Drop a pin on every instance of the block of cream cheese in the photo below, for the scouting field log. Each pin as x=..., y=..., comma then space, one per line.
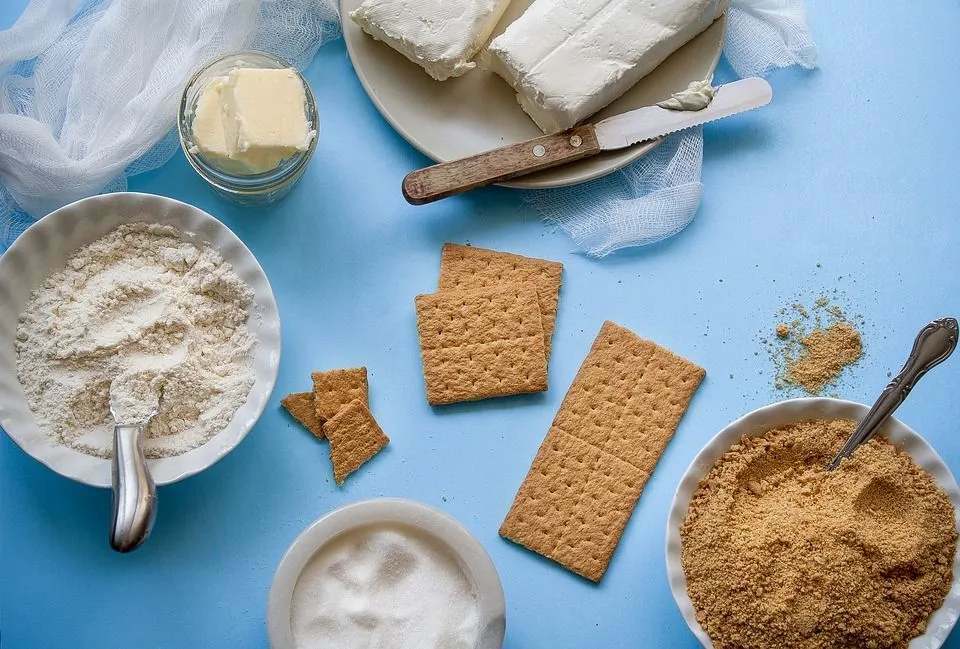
x=251, y=119
x=567, y=59
x=441, y=36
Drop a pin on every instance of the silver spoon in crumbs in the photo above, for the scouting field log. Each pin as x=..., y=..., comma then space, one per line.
x=134, y=400
x=935, y=342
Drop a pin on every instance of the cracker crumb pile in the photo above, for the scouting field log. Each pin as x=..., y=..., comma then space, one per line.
x=778, y=552
x=825, y=353
x=811, y=347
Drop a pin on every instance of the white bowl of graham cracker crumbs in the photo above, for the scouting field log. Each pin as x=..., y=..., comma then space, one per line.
x=787, y=414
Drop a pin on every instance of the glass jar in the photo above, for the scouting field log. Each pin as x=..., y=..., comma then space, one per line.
x=255, y=188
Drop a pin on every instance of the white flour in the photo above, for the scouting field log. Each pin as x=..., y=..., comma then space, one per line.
x=384, y=587
x=135, y=395
x=151, y=304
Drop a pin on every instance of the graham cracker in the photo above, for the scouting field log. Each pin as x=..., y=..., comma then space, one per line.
x=355, y=437
x=334, y=389
x=300, y=406
x=482, y=343
x=466, y=267
x=614, y=423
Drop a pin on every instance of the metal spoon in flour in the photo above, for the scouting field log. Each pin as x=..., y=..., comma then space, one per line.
x=935, y=342
x=134, y=400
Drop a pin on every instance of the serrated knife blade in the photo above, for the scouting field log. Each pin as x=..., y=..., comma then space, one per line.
x=651, y=122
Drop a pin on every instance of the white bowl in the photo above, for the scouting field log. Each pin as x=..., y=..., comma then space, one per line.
x=473, y=559
x=788, y=412
x=44, y=249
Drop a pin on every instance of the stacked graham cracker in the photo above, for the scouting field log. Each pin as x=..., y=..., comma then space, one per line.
x=487, y=331
x=337, y=409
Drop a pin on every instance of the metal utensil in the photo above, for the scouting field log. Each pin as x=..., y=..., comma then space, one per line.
x=935, y=342
x=134, y=492
x=647, y=123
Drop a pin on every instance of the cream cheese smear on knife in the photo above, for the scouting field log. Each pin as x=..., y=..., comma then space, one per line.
x=441, y=36
x=567, y=59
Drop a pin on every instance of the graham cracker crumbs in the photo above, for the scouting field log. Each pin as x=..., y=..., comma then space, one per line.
x=779, y=552
x=300, y=406
x=812, y=346
x=826, y=352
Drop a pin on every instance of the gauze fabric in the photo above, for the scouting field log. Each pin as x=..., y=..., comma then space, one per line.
x=89, y=90
x=659, y=194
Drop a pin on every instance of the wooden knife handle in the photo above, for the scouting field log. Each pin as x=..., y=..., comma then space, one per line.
x=449, y=178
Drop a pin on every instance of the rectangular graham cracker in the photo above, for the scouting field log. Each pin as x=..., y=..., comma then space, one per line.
x=300, y=406
x=334, y=389
x=355, y=437
x=482, y=343
x=466, y=267
x=614, y=423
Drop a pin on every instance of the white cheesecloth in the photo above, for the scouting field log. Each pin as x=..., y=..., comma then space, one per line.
x=659, y=194
x=89, y=89
x=89, y=92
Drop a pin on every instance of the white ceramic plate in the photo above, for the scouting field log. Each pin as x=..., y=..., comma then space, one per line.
x=788, y=412
x=474, y=560
x=447, y=120
x=44, y=249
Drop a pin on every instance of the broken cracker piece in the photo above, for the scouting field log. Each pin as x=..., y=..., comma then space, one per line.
x=300, y=406
x=605, y=441
x=334, y=389
x=355, y=437
x=480, y=344
x=468, y=267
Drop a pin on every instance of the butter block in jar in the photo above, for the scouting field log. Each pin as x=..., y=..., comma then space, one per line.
x=568, y=59
x=248, y=125
x=251, y=119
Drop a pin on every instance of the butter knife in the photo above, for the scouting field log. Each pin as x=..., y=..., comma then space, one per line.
x=647, y=123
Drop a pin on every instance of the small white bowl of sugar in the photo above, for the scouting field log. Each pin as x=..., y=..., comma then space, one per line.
x=386, y=572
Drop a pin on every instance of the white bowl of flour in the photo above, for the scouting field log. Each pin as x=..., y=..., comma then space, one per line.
x=124, y=283
x=386, y=573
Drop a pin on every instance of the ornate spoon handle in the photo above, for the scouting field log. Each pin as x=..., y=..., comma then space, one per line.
x=935, y=342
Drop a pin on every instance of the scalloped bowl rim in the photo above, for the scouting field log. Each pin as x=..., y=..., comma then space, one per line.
x=793, y=410
x=44, y=247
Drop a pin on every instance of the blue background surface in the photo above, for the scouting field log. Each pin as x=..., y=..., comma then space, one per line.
x=847, y=181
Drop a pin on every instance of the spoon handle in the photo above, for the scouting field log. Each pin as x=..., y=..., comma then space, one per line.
x=935, y=342
x=134, y=493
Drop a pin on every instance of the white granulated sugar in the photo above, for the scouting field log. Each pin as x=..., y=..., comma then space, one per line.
x=384, y=587
x=151, y=304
